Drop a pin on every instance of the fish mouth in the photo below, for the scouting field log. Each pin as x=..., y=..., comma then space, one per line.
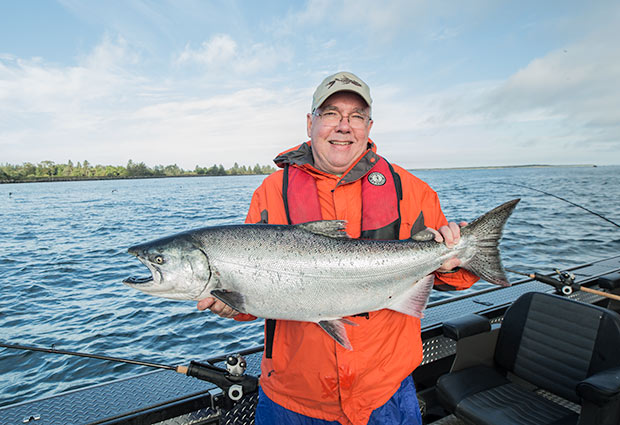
x=146, y=280
x=132, y=280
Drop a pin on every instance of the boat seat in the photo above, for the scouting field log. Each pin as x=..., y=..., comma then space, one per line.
x=547, y=345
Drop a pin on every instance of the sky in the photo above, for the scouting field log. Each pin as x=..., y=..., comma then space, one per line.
x=189, y=82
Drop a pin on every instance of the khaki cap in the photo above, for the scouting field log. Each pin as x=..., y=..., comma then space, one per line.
x=341, y=81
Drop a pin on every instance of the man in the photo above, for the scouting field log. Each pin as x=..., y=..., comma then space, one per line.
x=307, y=378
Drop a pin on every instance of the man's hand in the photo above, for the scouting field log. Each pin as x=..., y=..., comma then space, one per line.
x=451, y=235
x=218, y=307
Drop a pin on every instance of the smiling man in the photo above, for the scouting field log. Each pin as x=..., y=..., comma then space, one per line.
x=306, y=377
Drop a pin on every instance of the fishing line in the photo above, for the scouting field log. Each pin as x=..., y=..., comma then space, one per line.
x=562, y=199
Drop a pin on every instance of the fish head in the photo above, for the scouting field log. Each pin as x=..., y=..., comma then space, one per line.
x=179, y=268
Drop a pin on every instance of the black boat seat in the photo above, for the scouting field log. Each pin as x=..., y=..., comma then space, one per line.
x=547, y=344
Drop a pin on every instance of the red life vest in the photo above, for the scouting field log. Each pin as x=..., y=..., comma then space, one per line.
x=381, y=194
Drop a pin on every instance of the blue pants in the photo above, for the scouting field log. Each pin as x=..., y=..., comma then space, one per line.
x=402, y=408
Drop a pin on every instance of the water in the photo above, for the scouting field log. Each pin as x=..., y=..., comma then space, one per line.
x=63, y=257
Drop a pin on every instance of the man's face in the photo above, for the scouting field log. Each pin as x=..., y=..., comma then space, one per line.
x=336, y=147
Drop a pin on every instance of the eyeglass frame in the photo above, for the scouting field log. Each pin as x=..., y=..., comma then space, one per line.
x=367, y=118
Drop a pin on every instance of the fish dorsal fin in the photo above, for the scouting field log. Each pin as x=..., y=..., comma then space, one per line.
x=419, y=232
x=414, y=300
x=335, y=329
x=329, y=228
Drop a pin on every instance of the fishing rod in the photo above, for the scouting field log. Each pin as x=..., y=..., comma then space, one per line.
x=566, y=285
x=232, y=380
x=562, y=199
x=91, y=356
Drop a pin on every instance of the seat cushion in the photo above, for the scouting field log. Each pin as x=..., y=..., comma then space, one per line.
x=509, y=404
x=481, y=395
x=456, y=386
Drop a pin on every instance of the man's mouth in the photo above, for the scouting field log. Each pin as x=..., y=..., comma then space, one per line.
x=338, y=143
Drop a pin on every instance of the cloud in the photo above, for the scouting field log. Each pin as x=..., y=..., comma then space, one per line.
x=383, y=21
x=221, y=49
x=560, y=108
x=577, y=84
x=222, y=54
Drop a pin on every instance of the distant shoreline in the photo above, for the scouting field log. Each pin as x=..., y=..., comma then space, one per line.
x=494, y=167
x=79, y=179
x=72, y=179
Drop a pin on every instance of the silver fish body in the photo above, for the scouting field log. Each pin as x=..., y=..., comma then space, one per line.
x=313, y=272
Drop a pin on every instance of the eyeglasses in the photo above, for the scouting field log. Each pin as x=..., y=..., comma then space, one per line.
x=333, y=118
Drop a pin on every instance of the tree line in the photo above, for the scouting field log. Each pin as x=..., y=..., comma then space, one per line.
x=49, y=171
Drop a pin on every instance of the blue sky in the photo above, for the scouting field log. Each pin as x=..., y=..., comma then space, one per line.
x=476, y=83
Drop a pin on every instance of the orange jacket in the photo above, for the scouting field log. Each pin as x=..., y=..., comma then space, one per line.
x=311, y=374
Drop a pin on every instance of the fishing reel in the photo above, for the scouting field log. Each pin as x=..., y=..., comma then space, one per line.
x=567, y=280
x=236, y=364
x=232, y=380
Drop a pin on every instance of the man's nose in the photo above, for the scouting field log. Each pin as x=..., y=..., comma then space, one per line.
x=344, y=125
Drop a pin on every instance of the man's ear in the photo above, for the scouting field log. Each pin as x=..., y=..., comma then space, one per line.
x=309, y=124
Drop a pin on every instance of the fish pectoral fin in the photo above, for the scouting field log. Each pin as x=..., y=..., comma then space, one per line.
x=329, y=228
x=419, y=232
x=418, y=225
x=335, y=329
x=232, y=299
x=414, y=300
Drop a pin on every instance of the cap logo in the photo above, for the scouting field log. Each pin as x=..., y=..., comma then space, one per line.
x=376, y=178
x=343, y=80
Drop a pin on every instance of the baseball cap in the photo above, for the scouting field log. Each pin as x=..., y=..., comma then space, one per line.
x=341, y=81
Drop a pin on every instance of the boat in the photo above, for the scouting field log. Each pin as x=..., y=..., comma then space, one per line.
x=166, y=397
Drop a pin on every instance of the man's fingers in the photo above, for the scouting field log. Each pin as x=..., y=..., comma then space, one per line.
x=205, y=303
x=217, y=307
x=223, y=310
x=438, y=237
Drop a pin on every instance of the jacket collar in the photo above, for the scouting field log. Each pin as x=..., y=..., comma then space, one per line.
x=301, y=156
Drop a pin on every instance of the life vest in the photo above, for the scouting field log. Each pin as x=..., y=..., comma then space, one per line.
x=381, y=196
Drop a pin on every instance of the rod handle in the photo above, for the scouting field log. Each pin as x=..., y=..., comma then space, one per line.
x=601, y=293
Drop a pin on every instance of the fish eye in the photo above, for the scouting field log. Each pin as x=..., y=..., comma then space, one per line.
x=159, y=259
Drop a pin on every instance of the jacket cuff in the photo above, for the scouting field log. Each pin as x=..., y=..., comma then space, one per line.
x=244, y=317
x=458, y=280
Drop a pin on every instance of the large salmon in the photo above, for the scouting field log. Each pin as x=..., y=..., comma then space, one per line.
x=313, y=271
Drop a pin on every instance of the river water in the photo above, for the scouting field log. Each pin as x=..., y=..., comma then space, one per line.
x=63, y=256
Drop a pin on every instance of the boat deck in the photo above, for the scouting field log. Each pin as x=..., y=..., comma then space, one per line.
x=168, y=397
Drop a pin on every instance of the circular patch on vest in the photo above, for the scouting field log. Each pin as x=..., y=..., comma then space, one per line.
x=376, y=178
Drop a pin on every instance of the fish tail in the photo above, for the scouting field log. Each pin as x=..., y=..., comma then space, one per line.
x=486, y=231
